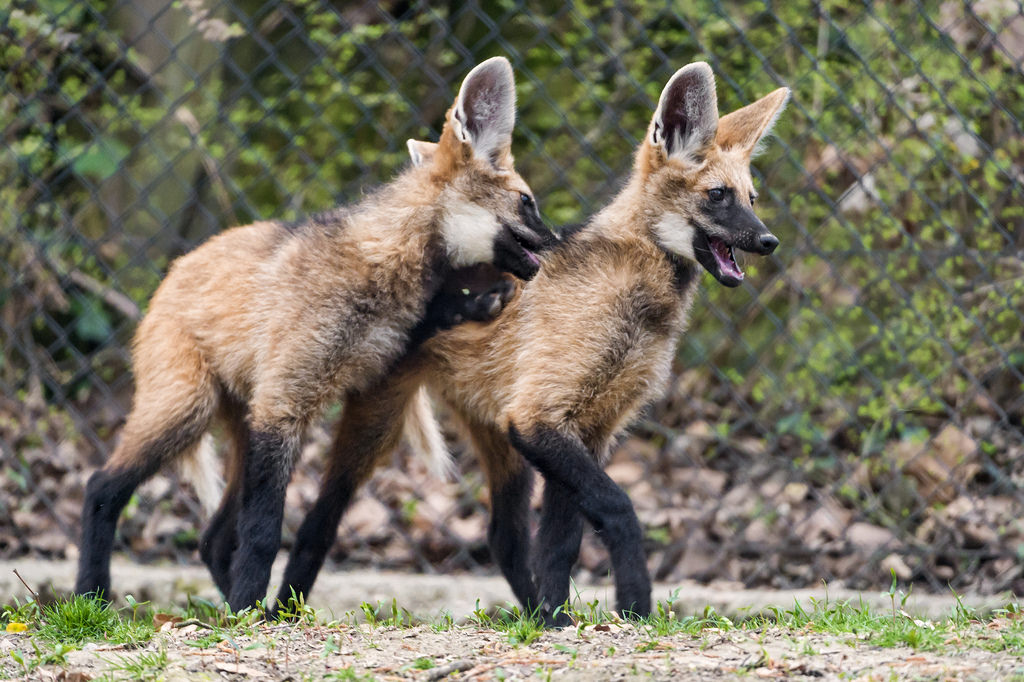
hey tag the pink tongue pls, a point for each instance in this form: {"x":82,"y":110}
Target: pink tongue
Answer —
{"x":725,"y":263}
{"x":532,"y":257}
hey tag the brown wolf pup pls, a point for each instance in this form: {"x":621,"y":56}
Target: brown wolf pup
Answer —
{"x":575,"y":355}
{"x":264,"y":325}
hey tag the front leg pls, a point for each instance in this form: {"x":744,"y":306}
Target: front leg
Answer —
{"x":556,"y":550}
{"x":266,"y":471}
{"x":472,"y":294}
{"x":370,"y":428}
{"x":567,"y":461}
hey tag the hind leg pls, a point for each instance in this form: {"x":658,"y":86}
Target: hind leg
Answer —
{"x":173,"y":404}
{"x":221,"y":535}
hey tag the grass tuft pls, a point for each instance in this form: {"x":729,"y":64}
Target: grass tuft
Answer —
{"x":520,"y":628}
{"x":84,"y":618}
{"x":148,"y":665}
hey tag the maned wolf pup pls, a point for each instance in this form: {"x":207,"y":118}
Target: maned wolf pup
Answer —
{"x":264,"y":325}
{"x":576,"y":355}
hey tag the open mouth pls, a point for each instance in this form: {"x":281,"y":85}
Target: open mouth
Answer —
{"x":718,"y":258}
{"x":517,"y":252}
{"x":529,"y":249}
{"x":725,"y":258}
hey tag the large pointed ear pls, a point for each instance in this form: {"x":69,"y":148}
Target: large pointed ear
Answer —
{"x":421,"y":152}
{"x":485,"y":110}
{"x":685,"y":122}
{"x":745,"y":128}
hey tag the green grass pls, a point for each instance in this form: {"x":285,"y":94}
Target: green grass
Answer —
{"x":1003,"y":630}
{"x":59,"y":628}
{"x":54,"y":630}
{"x":79,"y":619}
{"x":520,"y":628}
{"x":148,"y":665}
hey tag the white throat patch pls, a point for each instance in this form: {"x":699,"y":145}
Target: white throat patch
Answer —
{"x":469,"y":232}
{"x":675,"y":233}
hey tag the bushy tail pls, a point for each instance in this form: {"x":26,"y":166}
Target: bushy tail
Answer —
{"x":200,"y":468}
{"x":423,"y":434}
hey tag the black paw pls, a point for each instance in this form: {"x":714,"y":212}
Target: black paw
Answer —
{"x":487,"y":305}
{"x":556,"y":619}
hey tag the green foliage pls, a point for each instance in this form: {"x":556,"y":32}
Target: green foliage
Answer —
{"x":520,"y":627}
{"x":80,"y":619}
{"x":376,"y":616}
{"x":17,"y":612}
{"x":892,"y":184}
{"x":444,"y":622}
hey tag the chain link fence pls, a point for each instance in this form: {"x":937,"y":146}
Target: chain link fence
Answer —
{"x":854,"y":409}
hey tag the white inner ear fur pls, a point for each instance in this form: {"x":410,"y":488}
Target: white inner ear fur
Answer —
{"x":414,"y":152}
{"x":675,"y":233}
{"x":459,"y":128}
{"x":488,"y":97}
{"x":701,"y":104}
{"x":469,"y":232}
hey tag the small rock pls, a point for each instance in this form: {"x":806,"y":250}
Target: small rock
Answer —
{"x":367,"y":518}
{"x":795,"y":492}
{"x":757,"y":532}
{"x":868,"y":537}
{"x":702,"y":482}
{"x":896,"y":564}
{"x":625,"y":473}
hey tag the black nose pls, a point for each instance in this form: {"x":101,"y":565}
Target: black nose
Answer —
{"x":768,"y":242}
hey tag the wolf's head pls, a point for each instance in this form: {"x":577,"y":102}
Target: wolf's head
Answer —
{"x":490,"y":214}
{"x":695,"y":171}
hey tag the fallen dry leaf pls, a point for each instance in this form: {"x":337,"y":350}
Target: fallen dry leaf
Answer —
{"x":165,"y":621}
{"x":227,"y":648}
{"x":65,"y":676}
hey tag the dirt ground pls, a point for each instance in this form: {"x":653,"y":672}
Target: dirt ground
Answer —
{"x":471,"y":653}
{"x":358,"y":651}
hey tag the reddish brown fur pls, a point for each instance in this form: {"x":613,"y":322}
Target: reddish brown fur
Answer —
{"x":264,"y":325}
{"x":251,"y":313}
{"x":577,"y":352}
{"x":590,"y":340}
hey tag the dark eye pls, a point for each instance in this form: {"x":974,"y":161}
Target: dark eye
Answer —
{"x":716,"y":194}
{"x":526,"y":199}
{"x":753,"y":198}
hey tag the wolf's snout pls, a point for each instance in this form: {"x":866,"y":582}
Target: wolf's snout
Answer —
{"x":768,"y":242}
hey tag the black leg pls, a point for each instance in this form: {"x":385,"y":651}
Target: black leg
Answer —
{"x":370,"y":428}
{"x":220,"y":540}
{"x":557,"y":548}
{"x":605,"y":505}
{"x":109,"y":489}
{"x":509,"y":534}
{"x":106,"y":494}
{"x":316,"y":535}
{"x":265,"y":477}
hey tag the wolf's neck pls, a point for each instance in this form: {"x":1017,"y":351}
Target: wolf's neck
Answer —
{"x":404,"y":214}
